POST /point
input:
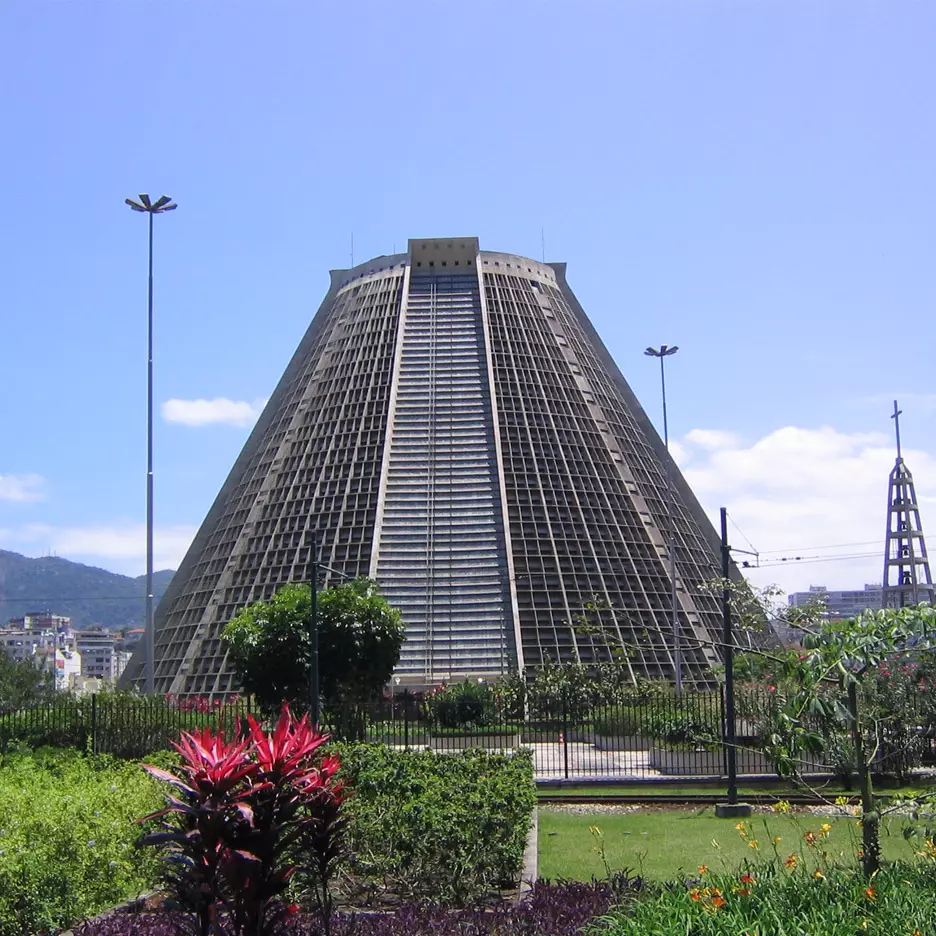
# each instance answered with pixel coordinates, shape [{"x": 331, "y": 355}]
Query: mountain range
[{"x": 88, "y": 595}]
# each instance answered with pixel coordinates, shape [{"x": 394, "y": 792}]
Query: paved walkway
[{"x": 580, "y": 761}]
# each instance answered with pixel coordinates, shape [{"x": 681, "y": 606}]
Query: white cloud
[
  {"x": 812, "y": 493},
  {"x": 220, "y": 410},
  {"x": 712, "y": 438},
  {"x": 21, "y": 488},
  {"x": 117, "y": 547}
]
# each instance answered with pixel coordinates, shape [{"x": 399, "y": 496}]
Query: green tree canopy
[
  {"x": 360, "y": 636},
  {"x": 21, "y": 684}
]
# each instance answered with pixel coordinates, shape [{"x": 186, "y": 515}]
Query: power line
[
  {"x": 806, "y": 560},
  {"x": 743, "y": 536},
  {"x": 799, "y": 549},
  {"x": 77, "y": 598}
]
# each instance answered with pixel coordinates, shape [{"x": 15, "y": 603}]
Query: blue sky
[{"x": 749, "y": 179}]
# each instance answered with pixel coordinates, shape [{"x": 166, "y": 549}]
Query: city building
[
  {"x": 64, "y": 664},
  {"x": 48, "y": 639},
  {"x": 24, "y": 636},
  {"x": 38, "y": 621},
  {"x": 100, "y": 658},
  {"x": 839, "y": 604},
  {"x": 452, "y": 426}
]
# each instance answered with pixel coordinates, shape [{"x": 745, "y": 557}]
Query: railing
[
  {"x": 127, "y": 727},
  {"x": 635, "y": 740}
]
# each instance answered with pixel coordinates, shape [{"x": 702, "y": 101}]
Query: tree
[
  {"x": 827, "y": 700},
  {"x": 359, "y": 637},
  {"x": 21, "y": 684}
]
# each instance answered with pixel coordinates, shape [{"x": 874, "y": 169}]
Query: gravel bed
[{"x": 585, "y": 809}]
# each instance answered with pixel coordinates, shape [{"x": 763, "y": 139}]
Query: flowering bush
[
  {"x": 783, "y": 897},
  {"x": 242, "y": 810}
]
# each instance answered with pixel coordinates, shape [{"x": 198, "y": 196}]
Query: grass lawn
[{"x": 661, "y": 844}]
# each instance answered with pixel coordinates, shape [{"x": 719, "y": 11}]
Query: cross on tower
[
  {"x": 907, "y": 579},
  {"x": 896, "y": 417}
]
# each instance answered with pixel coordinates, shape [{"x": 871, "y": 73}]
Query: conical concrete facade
[{"x": 452, "y": 426}]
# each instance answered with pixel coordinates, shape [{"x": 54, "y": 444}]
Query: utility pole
[{"x": 732, "y": 809}]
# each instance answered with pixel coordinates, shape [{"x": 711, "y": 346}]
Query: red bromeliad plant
[{"x": 243, "y": 811}]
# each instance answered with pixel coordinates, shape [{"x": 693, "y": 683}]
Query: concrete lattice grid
[{"x": 452, "y": 425}]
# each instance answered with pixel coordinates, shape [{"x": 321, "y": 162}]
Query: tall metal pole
[
  {"x": 150, "y": 623},
  {"x": 314, "y": 691},
  {"x": 162, "y": 204},
  {"x": 677, "y": 643},
  {"x": 663, "y": 353},
  {"x": 729, "y": 736}
]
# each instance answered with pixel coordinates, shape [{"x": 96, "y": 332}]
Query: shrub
[
  {"x": 464, "y": 705},
  {"x": 618, "y": 721},
  {"x": 683, "y": 723},
  {"x": 67, "y": 836},
  {"x": 771, "y": 899},
  {"x": 445, "y": 826},
  {"x": 242, "y": 807}
]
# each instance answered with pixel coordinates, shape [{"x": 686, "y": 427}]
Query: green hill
[{"x": 84, "y": 593}]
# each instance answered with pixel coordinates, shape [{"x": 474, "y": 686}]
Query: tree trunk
[{"x": 870, "y": 817}]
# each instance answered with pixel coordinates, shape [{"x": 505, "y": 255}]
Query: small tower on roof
[{"x": 907, "y": 579}]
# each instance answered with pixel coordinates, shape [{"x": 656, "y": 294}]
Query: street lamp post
[
  {"x": 313, "y": 568},
  {"x": 662, "y": 353},
  {"x": 314, "y": 691},
  {"x": 160, "y": 206}
]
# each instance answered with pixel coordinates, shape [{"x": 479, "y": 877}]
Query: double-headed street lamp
[
  {"x": 663, "y": 352},
  {"x": 160, "y": 206}
]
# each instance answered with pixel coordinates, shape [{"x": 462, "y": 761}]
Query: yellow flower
[
  {"x": 818, "y": 875},
  {"x": 825, "y": 829},
  {"x": 753, "y": 844},
  {"x": 595, "y": 831},
  {"x": 841, "y": 800},
  {"x": 695, "y": 894},
  {"x": 777, "y": 840},
  {"x": 703, "y": 869},
  {"x": 791, "y": 862}
]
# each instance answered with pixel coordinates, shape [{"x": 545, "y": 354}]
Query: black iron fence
[
  {"x": 123, "y": 726},
  {"x": 660, "y": 736}
]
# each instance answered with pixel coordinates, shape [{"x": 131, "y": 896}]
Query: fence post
[
  {"x": 565, "y": 733},
  {"x": 94, "y": 723},
  {"x": 406, "y": 719}
]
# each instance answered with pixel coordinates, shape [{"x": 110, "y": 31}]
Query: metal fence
[
  {"x": 127, "y": 727},
  {"x": 633, "y": 741}
]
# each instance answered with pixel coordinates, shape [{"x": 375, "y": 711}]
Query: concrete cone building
[{"x": 452, "y": 426}]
